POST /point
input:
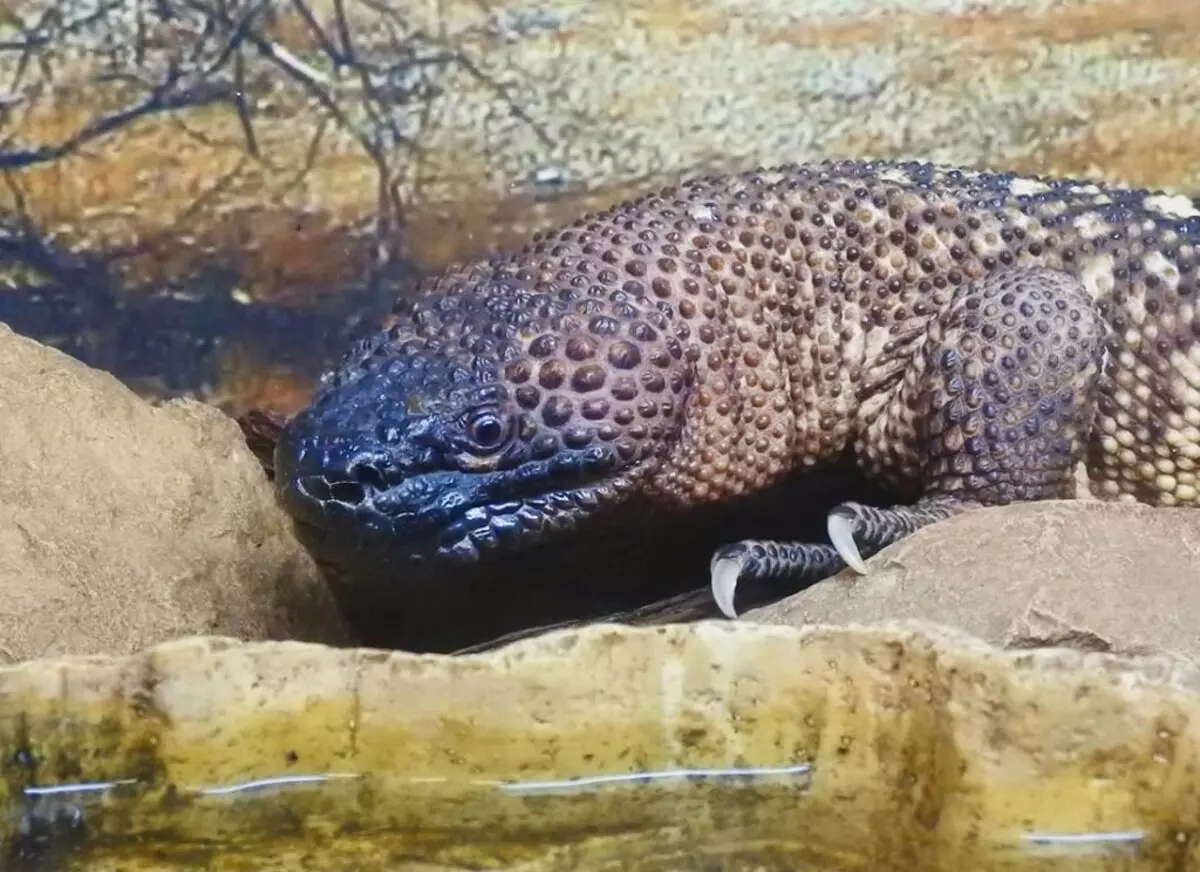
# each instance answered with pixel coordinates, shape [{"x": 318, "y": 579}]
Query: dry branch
[{"x": 363, "y": 70}]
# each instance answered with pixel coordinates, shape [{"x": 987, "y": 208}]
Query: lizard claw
[
  {"x": 790, "y": 560},
  {"x": 724, "y": 573},
  {"x": 841, "y": 534},
  {"x": 794, "y": 563}
]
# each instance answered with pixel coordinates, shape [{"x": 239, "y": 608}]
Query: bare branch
[
  {"x": 364, "y": 69},
  {"x": 241, "y": 106},
  {"x": 158, "y": 101}
]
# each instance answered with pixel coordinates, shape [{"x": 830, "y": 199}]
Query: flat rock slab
[
  {"x": 1081, "y": 574},
  {"x": 124, "y": 524}
]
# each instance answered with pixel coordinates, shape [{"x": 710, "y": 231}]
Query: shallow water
[{"x": 703, "y": 819}]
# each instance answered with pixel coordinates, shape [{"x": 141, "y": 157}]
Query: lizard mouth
[{"x": 446, "y": 517}]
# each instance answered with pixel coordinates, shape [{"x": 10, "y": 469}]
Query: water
[{"x": 704, "y": 819}]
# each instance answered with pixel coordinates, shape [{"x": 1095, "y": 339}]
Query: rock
[
  {"x": 1083, "y": 574},
  {"x": 928, "y": 750},
  {"x": 123, "y": 524}
]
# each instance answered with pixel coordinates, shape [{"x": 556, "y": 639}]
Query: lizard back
[{"x": 798, "y": 293}]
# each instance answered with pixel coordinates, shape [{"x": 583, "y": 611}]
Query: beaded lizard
[{"x": 968, "y": 337}]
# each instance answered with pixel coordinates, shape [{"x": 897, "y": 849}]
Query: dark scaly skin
[{"x": 967, "y": 337}]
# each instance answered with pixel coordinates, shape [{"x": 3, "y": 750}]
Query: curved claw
[
  {"x": 725, "y": 572},
  {"x": 841, "y": 534}
]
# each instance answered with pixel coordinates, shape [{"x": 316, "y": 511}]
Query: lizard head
[{"x": 484, "y": 417}]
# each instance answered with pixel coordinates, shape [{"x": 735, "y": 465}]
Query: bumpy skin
[{"x": 968, "y": 337}]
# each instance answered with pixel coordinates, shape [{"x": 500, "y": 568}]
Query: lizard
[{"x": 970, "y": 337}]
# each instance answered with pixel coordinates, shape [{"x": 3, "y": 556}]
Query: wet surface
[
  {"x": 717, "y": 817},
  {"x": 51, "y": 831},
  {"x": 202, "y": 339}
]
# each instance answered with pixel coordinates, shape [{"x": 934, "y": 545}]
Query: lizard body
[{"x": 967, "y": 337}]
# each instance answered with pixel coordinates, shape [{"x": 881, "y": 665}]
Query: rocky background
[{"x": 211, "y": 197}]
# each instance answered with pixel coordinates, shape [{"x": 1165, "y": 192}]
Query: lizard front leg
[{"x": 993, "y": 406}]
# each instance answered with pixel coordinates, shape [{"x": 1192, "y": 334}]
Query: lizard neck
[{"x": 775, "y": 341}]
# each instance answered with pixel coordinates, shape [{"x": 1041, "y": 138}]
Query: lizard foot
[
  {"x": 854, "y": 529},
  {"x": 763, "y": 560}
]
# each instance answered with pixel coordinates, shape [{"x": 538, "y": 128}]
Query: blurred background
[{"x": 214, "y": 197}]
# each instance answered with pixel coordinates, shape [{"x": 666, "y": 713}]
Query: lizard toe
[
  {"x": 858, "y": 531},
  {"x": 797, "y": 564}
]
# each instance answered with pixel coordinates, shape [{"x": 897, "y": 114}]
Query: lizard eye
[{"x": 487, "y": 430}]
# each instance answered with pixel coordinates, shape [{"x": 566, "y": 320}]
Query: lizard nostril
[{"x": 368, "y": 475}]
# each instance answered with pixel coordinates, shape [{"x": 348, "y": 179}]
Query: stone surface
[
  {"x": 1085, "y": 574},
  {"x": 123, "y": 524},
  {"x": 928, "y": 750}
]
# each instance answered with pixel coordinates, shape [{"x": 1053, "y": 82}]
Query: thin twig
[
  {"x": 369, "y": 72},
  {"x": 153, "y": 103}
]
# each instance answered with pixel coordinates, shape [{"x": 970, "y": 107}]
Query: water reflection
[
  {"x": 58, "y": 817},
  {"x": 1077, "y": 844},
  {"x": 566, "y": 785},
  {"x": 88, "y": 787}
]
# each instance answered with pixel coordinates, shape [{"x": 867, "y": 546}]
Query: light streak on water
[
  {"x": 1083, "y": 843},
  {"x": 86, "y": 787},
  {"x": 267, "y": 783},
  {"x": 588, "y": 781}
]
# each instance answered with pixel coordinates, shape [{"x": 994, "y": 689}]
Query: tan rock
[
  {"x": 1085, "y": 574},
  {"x": 926, "y": 750},
  {"x": 123, "y": 524}
]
